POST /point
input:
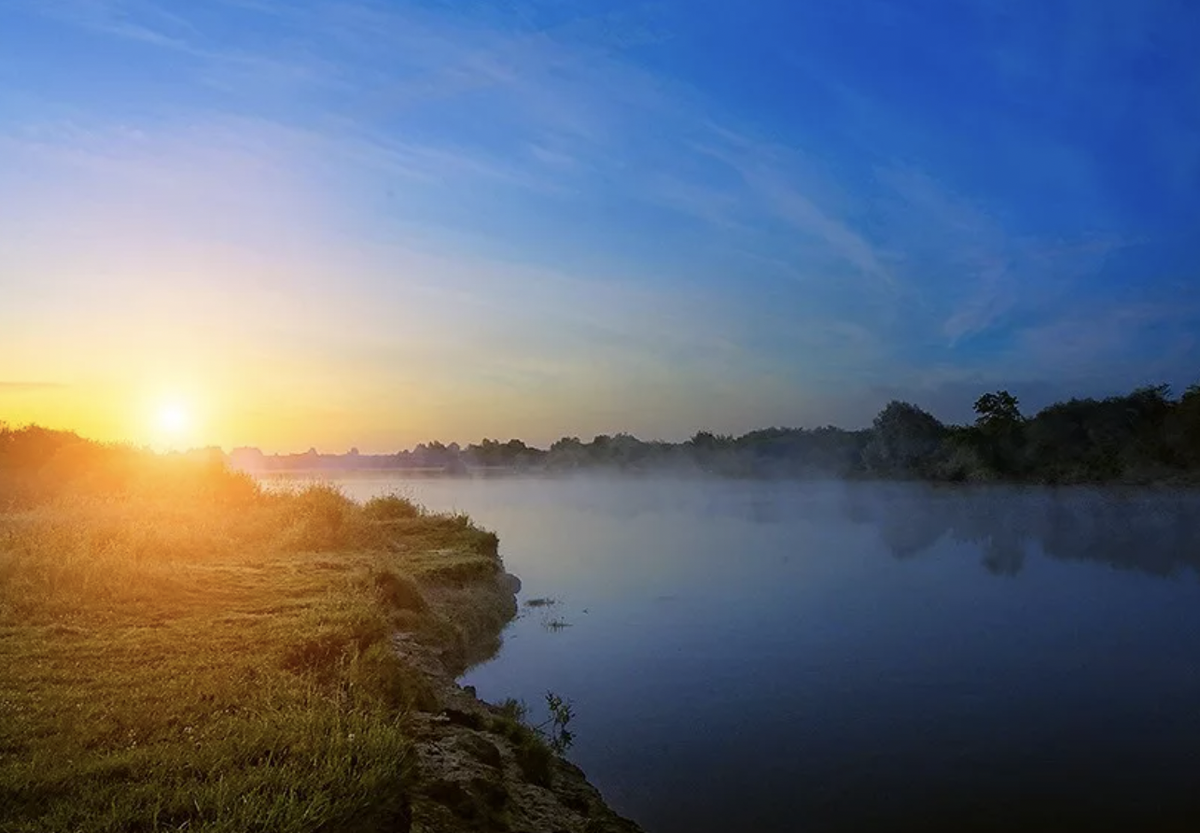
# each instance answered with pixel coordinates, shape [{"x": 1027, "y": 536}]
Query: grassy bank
[{"x": 182, "y": 650}]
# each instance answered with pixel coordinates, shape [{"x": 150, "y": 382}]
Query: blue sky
[{"x": 399, "y": 220}]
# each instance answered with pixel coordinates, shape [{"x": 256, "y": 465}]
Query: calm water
[{"x": 824, "y": 657}]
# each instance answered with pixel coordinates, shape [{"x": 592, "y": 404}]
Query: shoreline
[{"x": 478, "y": 767}]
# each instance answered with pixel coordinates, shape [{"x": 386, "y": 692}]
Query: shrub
[{"x": 391, "y": 507}]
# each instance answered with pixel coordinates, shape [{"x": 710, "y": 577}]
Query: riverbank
[{"x": 185, "y": 651}]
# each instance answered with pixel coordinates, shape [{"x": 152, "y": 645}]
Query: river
[{"x": 805, "y": 656}]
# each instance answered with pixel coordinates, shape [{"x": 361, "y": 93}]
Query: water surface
[{"x": 754, "y": 656}]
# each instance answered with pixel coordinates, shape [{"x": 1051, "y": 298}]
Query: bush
[{"x": 391, "y": 507}]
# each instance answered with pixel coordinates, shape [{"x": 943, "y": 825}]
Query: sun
[{"x": 172, "y": 419}]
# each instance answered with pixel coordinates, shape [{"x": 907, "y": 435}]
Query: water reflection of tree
[
  {"x": 906, "y": 524},
  {"x": 1004, "y": 555},
  {"x": 1152, "y": 532}
]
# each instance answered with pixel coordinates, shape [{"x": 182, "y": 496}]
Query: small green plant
[
  {"x": 559, "y": 737},
  {"x": 535, "y": 747},
  {"x": 513, "y": 709}
]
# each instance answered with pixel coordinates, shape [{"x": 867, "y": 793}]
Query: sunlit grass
[{"x": 182, "y": 650}]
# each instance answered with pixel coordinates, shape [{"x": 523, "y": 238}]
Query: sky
[{"x": 294, "y": 223}]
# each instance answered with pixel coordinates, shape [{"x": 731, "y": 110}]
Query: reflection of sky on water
[{"x": 854, "y": 654}]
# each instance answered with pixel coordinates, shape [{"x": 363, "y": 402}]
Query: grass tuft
[
  {"x": 391, "y": 507},
  {"x": 533, "y": 754}
]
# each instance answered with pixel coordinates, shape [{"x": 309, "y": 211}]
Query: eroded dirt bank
[{"x": 478, "y": 768}]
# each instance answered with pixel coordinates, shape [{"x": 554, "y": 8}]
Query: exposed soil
[{"x": 478, "y": 770}]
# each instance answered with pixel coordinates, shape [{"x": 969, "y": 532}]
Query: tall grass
[{"x": 183, "y": 650}]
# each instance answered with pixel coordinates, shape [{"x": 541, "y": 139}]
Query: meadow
[{"x": 181, "y": 649}]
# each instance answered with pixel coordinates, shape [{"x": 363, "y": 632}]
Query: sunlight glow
[{"x": 172, "y": 419}]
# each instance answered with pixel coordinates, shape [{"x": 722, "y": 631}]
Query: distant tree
[
  {"x": 1183, "y": 428},
  {"x": 1085, "y": 440},
  {"x": 247, "y": 458},
  {"x": 1148, "y": 448},
  {"x": 625, "y": 450},
  {"x": 514, "y": 453},
  {"x": 495, "y": 453},
  {"x": 905, "y": 439},
  {"x": 1061, "y": 447},
  {"x": 999, "y": 440},
  {"x": 998, "y": 411},
  {"x": 567, "y": 453},
  {"x": 964, "y": 457}
]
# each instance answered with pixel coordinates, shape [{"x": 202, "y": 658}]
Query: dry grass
[{"x": 184, "y": 651}]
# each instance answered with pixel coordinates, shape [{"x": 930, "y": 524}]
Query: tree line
[{"x": 1147, "y": 435}]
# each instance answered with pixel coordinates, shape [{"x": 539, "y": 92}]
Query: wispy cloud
[
  {"x": 806, "y": 216},
  {"x": 973, "y": 273},
  {"x": 568, "y": 91},
  {"x": 780, "y": 184}
]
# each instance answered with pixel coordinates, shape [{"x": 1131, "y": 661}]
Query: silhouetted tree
[
  {"x": 1090, "y": 439},
  {"x": 704, "y": 440},
  {"x": 1182, "y": 429},
  {"x": 905, "y": 439},
  {"x": 998, "y": 411},
  {"x": 999, "y": 438}
]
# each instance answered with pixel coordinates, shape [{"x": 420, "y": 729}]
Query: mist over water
[{"x": 785, "y": 656}]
